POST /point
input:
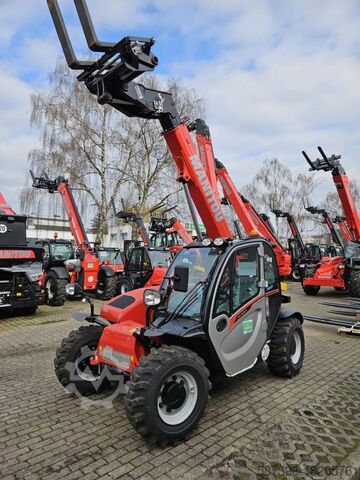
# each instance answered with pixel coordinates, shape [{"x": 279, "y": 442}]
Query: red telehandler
[
  {"x": 20, "y": 265},
  {"x": 341, "y": 221},
  {"x": 253, "y": 223},
  {"x": 86, "y": 273},
  {"x": 337, "y": 249},
  {"x": 219, "y": 306},
  {"x": 147, "y": 264},
  {"x": 342, "y": 272}
]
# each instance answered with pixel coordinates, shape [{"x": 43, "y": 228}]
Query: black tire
[
  {"x": 295, "y": 275},
  {"x": 79, "y": 343},
  {"x": 311, "y": 290},
  {"x": 55, "y": 288},
  {"x": 287, "y": 348},
  {"x": 124, "y": 285},
  {"x": 25, "y": 311},
  {"x": 167, "y": 368},
  {"x": 106, "y": 286},
  {"x": 354, "y": 283}
]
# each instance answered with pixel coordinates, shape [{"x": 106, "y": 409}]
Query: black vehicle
[
  {"x": 20, "y": 267},
  {"x": 145, "y": 266}
]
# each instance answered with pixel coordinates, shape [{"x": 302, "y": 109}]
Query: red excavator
[
  {"x": 342, "y": 272},
  {"x": 218, "y": 308},
  {"x": 20, "y": 265},
  {"x": 89, "y": 272}
]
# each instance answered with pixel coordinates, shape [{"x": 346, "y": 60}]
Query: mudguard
[
  {"x": 120, "y": 347},
  {"x": 289, "y": 312},
  {"x": 60, "y": 272},
  {"x": 109, "y": 272}
]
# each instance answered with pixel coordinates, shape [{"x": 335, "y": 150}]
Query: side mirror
[{"x": 181, "y": 278}]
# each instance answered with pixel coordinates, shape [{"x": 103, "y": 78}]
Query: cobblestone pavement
[{"x": 255, "y": 425}]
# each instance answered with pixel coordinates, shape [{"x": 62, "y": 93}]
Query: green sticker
[{"x": 248, "y": 326}]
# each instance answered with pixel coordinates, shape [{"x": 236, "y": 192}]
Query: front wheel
[
  {"x": 124, "y": 285},
  {"x": 287, "y": 348},
  {"x": 106, "y": 286},
  {"x": 168, "y": 394},
  {"x": 295, "y": 275},
  {"x": 55, "y": 289},
  {"x": 72, "y": 361},
  {"x": 354, "y": 283}
]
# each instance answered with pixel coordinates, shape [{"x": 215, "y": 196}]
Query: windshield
[
  {"x": 165, "y": 239},
  {"x": 112, "y": 256},
  {"x": 200, "y": 262},
  {"x": 159, "y": 258},
  {"x": 62, "y": 251},
  {"x": 352, "y": 249}
]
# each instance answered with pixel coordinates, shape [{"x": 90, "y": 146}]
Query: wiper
[{"x": 185, "y": 303}]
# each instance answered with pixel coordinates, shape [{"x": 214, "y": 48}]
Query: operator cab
[
  {"x": 56, "y": 252},
  {"x": 109, "y": 256},
  {"x": 230, "y": 292},
  {"x": 142, "y": 262}
]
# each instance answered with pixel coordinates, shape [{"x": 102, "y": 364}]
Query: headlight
[
  {"x": 219, "y": 241},
  {"x": 70, "y": 289},
  {"x": 206, "y": 242},
  {"x": 152, "y": 298},
  {"x": 121, "y": 360}
]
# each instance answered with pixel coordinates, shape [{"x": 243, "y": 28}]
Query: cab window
[
  {"x": 239, "y": 282},
  {"x": 271, "y": 274},
  {"x": 135, "y": 260}
]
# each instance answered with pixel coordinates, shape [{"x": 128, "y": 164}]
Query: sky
[{"x": 277, "y": 76}]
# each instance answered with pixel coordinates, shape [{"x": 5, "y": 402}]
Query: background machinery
[
  {"x": 20, "y": 265},
  {"x": 85, "y": 273},
  {"x": 218, "y": 308},
  {"x": 342, "y": 272}
]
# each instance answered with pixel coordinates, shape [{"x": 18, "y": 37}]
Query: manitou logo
[{"x": 206, "y": 187}]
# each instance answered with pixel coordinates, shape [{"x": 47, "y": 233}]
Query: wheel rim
[
  {"x": 124, "y": 288},
  {"x": 296, "y": 275},
  {"x": 295, "y": 347},
  {"x": 83, "y": 368},
  {"x": 177, "y": 398},
  {"x": 50, "y": 287}
]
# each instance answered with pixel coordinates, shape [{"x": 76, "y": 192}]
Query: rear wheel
[
  {"x": 354, "y": 283},
  {"x": 106, "y": 286},
  {"x": 287, "y": 348},
  {"x": 168, "y": 394},
  {"x": 55, "y": 288},
  {"x": 124, "y": 285},
  {"x": 72, "y": 361},
  {"x": 311, "y": 290}
]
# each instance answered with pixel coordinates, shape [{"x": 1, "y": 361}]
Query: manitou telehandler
[
  {"x": 337, "y": 249},
  {"x": 298, "y": 249},
  {"x": 219, "y": 306},
  {"x": 253, "y": 223},
  {"x": 341, "y": 272},
  {"x": 20, "y": 265},
  {"x": 85, "y": 273},
  {"x": 147, "y": 264}
]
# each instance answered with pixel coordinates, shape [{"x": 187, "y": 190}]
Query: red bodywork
[
  {"x": 329, "y": 274},
  {"x": 126, "y": 320}
]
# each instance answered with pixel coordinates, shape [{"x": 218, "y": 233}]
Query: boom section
[
  {"x": 293, "y": 227},
  {"x": 341, "y": 181}
]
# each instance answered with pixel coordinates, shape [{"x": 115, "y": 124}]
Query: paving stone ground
[{"x": 47, "y": 434}]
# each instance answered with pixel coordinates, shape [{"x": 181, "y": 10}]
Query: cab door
[{"x": 238, "y": 325}]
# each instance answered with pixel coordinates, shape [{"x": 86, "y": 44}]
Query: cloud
[{"x": 278, "y": 77}]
